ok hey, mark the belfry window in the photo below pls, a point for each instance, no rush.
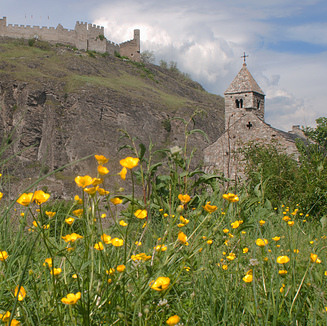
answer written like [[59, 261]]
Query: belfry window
[[239, 103]]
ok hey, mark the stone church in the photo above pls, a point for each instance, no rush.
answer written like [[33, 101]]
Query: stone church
[[244, 123]]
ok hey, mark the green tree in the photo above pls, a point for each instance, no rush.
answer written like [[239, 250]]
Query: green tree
[[147, 57]]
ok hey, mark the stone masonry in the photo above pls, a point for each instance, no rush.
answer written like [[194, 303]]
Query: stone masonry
[[244, 123], [84, 36]]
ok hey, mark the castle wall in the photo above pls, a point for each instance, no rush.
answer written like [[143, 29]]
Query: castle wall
[[131, 49], [84, 37]]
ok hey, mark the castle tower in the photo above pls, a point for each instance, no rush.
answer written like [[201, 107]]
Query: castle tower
[[3, 26], [243, 95]]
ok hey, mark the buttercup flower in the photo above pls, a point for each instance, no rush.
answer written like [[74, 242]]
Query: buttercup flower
[[262, 222], [50, 214], [314, 258], [103, 192], [245, 250], [184, 198], [101, 159], [141, 213], [78, 212], [25, 199], [231, 256], [141, 256], [1, 195], [21, 294], [121, 268], [69, 220], [210, 209], [48, 262], [261, 242], [96, 181], [106, 238], [160, 248], [282, 259], [91, 191], [111, 271], [231, 197], [72, 237], [276, 238], [129, 162], [117, 242], [99, 246], [248, 278], [236, 224], [122, 223], [5, 317], [182, 238], [116, 201], [71, 298], [77, 199], [55, 271], [225, 230], [3, 255], [40, 197], [160, 284], [102, 170], [83, 181], [282, 272], [209, 242], [123, 173], [173, 320]]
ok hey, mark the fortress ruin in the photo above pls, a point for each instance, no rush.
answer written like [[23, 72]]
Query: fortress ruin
[[87, 37]]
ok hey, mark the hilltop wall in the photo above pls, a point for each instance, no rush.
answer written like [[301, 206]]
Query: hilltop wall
[[87, 37]]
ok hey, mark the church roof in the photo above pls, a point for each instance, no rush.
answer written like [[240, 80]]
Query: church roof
[[244, 82]]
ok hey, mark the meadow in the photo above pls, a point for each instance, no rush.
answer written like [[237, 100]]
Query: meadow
[[185, 252]]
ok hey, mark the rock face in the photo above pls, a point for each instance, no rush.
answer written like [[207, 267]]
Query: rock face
[[58, 107]]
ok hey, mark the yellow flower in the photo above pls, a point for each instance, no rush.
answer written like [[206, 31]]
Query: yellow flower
[[182, 238], [74, 276], [141, 256], [96, 181], [209, 242], [210, 209], [160, 248], [102, 170], [91, 191], [231, 197], [290, 223], [78, 200], [102, 192], [78, 212], [83, 181], [3, 255], [282, 272], [5, 317], [286, 218], [276, 238], [50, 214], [141, 213], [99, 246], [224, 267], [1, 195], [138, 243], [55, 271], [314, 258], [21, 294], [101, 159], [25, 199], [231, 256], [160, 284], [245, 250], [123, 223], [103, 215], [117, 242], [248, 278], [121, 268], [262, 222], [173, 320], [184, 220], [69, 220], [184, 198], [48, 262], [111, 271], [106, 238], [116, 201], [261, 242], [225, 230], [282, 259], [281, 290], [123, 173], [129, 162], [71, 298], [72, 237], [236, 224]]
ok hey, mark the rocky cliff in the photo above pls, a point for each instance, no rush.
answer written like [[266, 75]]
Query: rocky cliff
[[60, 106]]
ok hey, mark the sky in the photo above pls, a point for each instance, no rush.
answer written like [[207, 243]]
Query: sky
[[286, 41]]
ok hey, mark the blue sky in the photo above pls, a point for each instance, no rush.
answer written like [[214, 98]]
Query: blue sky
[[286, 41]]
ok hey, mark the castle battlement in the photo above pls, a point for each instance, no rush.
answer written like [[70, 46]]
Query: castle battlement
[[84, 36]]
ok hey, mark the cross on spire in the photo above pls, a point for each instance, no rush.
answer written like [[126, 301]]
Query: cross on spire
[[244, 56]]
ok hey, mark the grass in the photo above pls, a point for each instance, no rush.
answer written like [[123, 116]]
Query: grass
[[185, 252]]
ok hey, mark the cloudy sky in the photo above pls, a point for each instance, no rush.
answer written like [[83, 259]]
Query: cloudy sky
[[286, 41]]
